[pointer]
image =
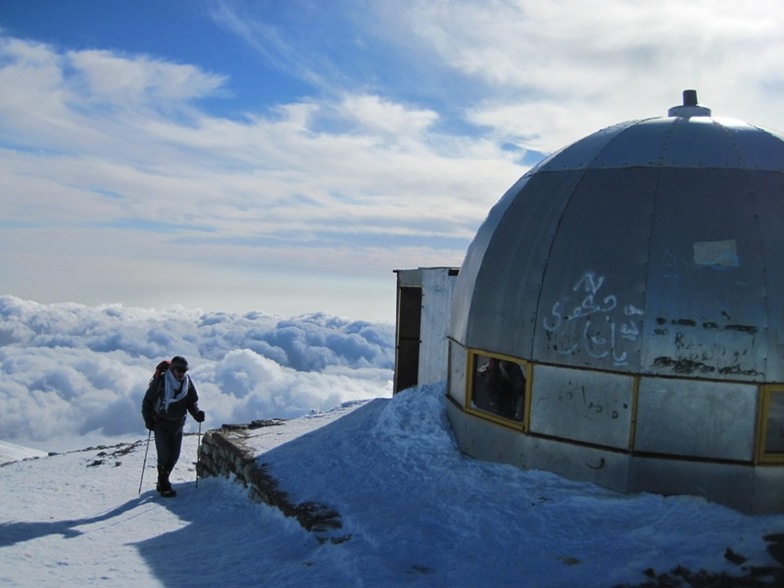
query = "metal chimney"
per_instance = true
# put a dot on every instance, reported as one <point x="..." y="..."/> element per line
<point x="690" y="106"/>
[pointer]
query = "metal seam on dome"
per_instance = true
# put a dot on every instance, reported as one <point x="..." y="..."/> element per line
<point x="666" y="142"/>
<point x="741" y="162"/>
<point x="618" y="134"/>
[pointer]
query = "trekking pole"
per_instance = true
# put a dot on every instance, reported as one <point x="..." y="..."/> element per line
<point x="144" y="464"/>
<point x="198" y="445"/>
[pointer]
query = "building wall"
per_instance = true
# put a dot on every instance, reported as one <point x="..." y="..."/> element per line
<point x="633" y="279"/>
<point x="438" y="286"/>
<point x="425" y="360"/>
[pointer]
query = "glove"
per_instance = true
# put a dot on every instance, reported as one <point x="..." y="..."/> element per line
<point x="199" y="416"/>
<point x="150" y="424"/>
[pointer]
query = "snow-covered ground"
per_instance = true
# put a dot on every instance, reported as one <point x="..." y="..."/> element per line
<point x="415" y="511"/>
<point x="11" y="452"/>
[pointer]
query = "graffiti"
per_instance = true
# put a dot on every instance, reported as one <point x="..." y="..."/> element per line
<point x="593" y="322"/>
<point x="586" y="401"/>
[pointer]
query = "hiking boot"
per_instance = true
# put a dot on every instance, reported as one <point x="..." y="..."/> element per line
<point x="163" y="486"/>
<point x="168" y="492"/>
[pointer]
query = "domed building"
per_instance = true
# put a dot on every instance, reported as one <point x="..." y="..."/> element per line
<point x="619" y="316"/>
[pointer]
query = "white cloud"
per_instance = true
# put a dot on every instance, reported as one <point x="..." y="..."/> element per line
<point x="116" y="80"/>
<point x="68" y="370"/>
<point x="373" y="113"/>
<point x="556" y="71"/>
<point x="229" y="165"/>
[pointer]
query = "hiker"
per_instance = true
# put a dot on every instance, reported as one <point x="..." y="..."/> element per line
<point x="170" y="395"/>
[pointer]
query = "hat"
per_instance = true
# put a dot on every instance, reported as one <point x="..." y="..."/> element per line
<point x="179" y="362"/>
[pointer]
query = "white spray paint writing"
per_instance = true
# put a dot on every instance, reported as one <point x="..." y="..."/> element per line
<point x="592" y="324"/>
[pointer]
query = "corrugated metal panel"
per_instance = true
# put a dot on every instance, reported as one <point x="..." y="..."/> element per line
<point x="698" y="142"/>
<point x="767" y="496"/>
<point x="510" y="275"/>
<point x="767" y="191"/>
<point x="581" y="154"/>
<point x="587" y="406"/>
<point x="437" y="288"/>
<point x="463" y="300"/>
<point x="758" y="148"/>
<point x="728" y="484"/>
<point x="696" y="419"/>
<point x="705" y="305"/>
<point x="592" y="299"/>
<point x="640" y="145"/>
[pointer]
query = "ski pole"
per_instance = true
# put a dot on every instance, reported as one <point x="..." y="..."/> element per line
<point x="144" y="464"/>
<point x="198" y="445"/>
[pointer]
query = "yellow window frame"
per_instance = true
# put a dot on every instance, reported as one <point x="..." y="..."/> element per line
<point x="766" y="405"/>
<point x="527" y="370"/>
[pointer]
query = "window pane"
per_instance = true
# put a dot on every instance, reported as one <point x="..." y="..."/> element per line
<point x="498" y="387"/>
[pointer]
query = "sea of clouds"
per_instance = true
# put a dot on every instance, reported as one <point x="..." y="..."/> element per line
<point x="69" y="372"/>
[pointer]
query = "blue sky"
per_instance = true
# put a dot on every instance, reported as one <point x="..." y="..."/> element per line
<point x="288" y="156"/>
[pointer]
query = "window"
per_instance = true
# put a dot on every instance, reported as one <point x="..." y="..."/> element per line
<point x="499" y="387"/>
<point x="770" y="441"/>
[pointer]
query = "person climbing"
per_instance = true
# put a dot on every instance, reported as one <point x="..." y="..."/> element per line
<point x="170" y="395"/>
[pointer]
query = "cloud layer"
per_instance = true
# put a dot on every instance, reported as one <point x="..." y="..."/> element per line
<point x="69" y="370"/>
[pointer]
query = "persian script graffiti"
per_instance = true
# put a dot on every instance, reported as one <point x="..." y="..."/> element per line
<point x="591" y="321"/>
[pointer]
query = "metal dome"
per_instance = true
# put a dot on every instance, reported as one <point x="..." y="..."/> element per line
<point x="651" y="247"/>
<point x="620" y="313"/>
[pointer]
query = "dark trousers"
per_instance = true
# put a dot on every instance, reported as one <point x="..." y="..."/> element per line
<point x="168" y="442"/>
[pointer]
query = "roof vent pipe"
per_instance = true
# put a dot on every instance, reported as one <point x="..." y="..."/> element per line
<point x="690" y="106"/>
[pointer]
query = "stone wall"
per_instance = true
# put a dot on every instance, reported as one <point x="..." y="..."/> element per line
<point x="224" y="452"/>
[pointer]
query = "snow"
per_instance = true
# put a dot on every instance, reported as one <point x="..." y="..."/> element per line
<point x="414" y="512"/>
<point x="10" y="452"/>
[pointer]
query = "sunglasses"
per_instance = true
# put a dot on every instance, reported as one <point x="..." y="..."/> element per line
<point x="180" y="370"/>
